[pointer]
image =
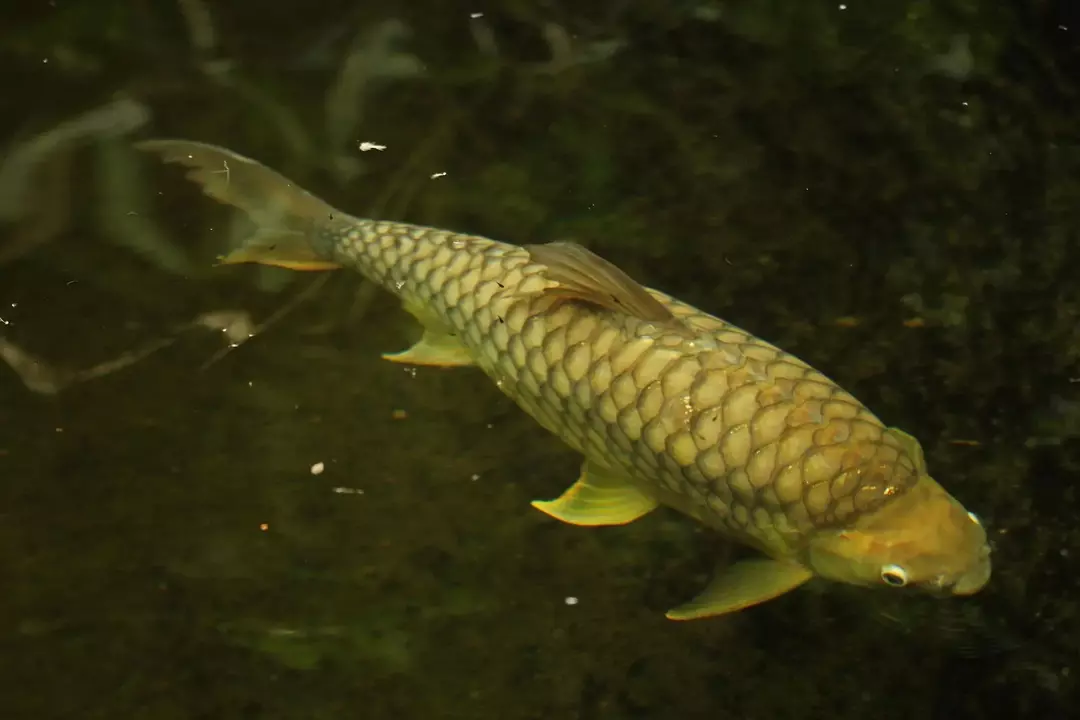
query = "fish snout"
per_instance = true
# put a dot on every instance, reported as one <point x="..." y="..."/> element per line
<point x="976" y="577"/>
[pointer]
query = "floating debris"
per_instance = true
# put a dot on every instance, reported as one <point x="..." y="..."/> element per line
<point x="317" y="468"/>
<point x="237" y="325"/>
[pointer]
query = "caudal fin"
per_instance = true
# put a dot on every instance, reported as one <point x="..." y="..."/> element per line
<point x="285" y="214"/>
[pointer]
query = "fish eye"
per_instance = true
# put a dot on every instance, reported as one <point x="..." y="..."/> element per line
<point x="894" y="575"/>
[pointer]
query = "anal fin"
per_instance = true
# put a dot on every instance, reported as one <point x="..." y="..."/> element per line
<point x="743" y="585"/>
<point x="599" y="497"/>
<point x="437" y="347"/>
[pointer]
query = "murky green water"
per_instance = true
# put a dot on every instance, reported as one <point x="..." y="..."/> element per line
<point x="293" y="528"/>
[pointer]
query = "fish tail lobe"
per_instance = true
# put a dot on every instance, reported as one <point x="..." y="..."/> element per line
<point x="285" y="215"/>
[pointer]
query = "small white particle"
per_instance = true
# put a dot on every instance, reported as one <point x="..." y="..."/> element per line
<point x="489" y="426"/>
<point x="437" y="175"/>
<point x="348" y="491"/>
<point x="4" y="322"/>
<point x="399" y="284"/>
<point x="318" y="468"/>
<point x="476" y="15"/>
<point x="843" y="7"/>
<point x="475" y="477"/>
<point x="366" y="146"/>
<point x="571" y="600"/>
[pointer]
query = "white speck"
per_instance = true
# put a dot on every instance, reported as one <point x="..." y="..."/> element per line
<point x="411" y="371"/>
<point x="437" y="175"/>
<point x="843" y="7"/>
<point x="571" y="600"/>
<point x="489" y="426"/>
<point x="366" y="146"/>
<point x="399" y="284"/>
<point x="59" y="429"/>
<point x="318" y="468"/>
<point x="475" y="477"/>
<point x="4" y="322"/>
<point x="348" y="491"/>
<point x="476" y="15"/>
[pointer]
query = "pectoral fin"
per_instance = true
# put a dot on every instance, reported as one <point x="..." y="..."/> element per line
<point x="436" y="347"/>
<point x="599" y="497"/>
<point x="745" y="584"/>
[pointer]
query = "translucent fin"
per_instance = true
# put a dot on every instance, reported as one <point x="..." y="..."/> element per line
<point x="281" y="248"/>
<point x="746" y="583"/>
<point x="584" y="275"/>
<point x="912" y="447"/>
<point x="240" y="181"/>
<point x="599" y="497"/>
<point x="437" y="347"/>
<point x="285" y="213"/>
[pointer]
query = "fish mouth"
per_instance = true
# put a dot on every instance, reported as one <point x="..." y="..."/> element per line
<point x="976" y="578"/>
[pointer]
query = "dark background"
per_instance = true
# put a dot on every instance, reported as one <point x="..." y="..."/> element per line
<point x="888" y="190"/>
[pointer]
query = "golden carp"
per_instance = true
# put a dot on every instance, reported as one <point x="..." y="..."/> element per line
<point x="669" y="405"/>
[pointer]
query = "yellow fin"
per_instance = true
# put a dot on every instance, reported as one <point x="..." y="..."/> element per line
<point x="599" y="497"/>
<point x="437" y="347"/>
<point x="746" y="583"/>
<point x="285" y="248"/>
<point x="912" y="447"/>
<point x="434" y="348"/>
<point x="584" y="275"/>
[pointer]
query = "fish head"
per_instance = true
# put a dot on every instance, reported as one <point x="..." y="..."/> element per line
<point x="922" y="538"/>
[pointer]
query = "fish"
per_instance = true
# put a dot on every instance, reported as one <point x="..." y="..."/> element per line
<point x="668" y="405"/>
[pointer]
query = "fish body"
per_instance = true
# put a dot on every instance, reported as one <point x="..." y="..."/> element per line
<point x="668" y="404"/>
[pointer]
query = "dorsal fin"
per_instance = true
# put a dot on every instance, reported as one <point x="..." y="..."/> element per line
<point x="584" y="275"/>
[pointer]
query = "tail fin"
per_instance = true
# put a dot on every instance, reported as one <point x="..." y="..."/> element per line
<point x="286" y="214"/>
